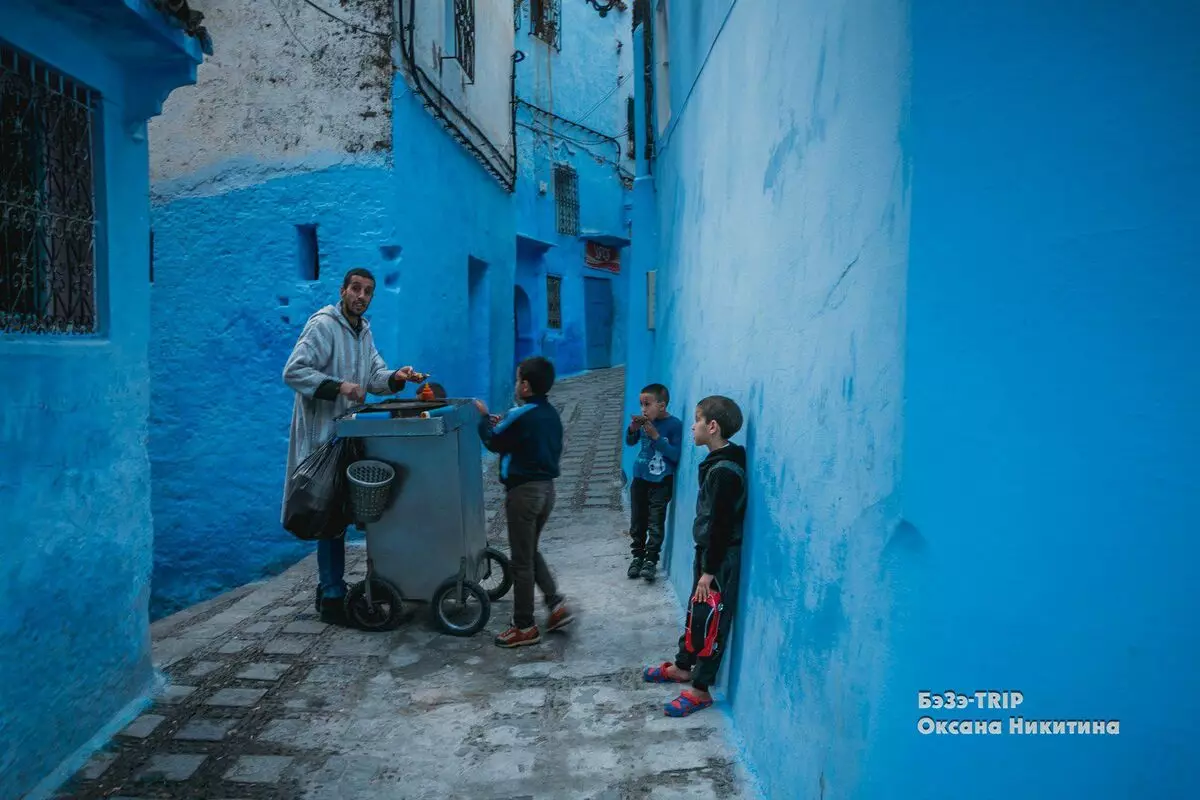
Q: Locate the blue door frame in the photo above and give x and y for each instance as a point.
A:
(522, 325)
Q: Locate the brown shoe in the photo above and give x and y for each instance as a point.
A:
(518, 637)
(560, 617)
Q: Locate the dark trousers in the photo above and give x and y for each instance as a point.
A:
(704, 670)
(527, 507)
(648, 516)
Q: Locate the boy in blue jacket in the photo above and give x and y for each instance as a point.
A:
(660, 436)
(529, 440)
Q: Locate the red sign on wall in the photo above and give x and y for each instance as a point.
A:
(597, 256)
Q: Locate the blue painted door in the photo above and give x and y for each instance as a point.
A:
(598, 313)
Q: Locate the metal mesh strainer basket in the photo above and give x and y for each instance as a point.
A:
(370, 489)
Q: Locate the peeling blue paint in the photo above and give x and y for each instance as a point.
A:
(74, 477)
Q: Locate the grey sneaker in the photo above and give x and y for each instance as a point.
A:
(649, 571)
(635, 568)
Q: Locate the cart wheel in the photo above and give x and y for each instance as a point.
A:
(465, 618)
(383, 614)
(498, 580)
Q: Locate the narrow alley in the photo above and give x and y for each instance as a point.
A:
(930, 266)
(266, 702)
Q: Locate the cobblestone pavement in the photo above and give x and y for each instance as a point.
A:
(264, 701)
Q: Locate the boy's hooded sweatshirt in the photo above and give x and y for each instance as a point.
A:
(720, 504)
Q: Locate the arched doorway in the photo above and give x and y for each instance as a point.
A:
(522, 325)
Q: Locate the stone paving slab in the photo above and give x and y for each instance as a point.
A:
(266, 702)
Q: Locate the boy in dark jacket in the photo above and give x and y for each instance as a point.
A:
(660, 436)
(720, 511)
(529, 440)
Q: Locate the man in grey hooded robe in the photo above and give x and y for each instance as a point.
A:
(332, 368)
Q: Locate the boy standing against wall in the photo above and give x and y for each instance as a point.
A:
(661, 437)
(529, 440)
(720, 511)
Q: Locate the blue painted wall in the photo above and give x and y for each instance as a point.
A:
(580, 84)
(643, 259)
(230, 300)
(972, 443)
(75, 478)
(782, 226)
(1051, 390)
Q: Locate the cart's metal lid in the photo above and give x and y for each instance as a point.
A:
(397, 417)
(401, 407)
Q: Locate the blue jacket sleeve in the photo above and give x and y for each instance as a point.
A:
(501, 439)
(670, 441)
(632, 436)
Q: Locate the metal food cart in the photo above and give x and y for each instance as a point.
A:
(417, 493)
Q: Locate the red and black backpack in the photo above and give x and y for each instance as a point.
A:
(702, 621)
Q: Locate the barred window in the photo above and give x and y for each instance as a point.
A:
(566, 199)
(47, 200)
(554, 302)
(464, 36)
(545, 21)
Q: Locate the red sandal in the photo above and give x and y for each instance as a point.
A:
(659, 674)
(686, 703)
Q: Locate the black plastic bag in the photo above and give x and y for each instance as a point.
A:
(318, 501)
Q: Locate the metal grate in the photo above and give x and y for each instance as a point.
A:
(554, 302)
(545, 21)
(566, 199)
(464, 35)
(47, 200)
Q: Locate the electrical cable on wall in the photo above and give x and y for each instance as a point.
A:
(622, 173)
(625, 175)
(590, 111)
(333, 16)
(289, 27)
(477, 142)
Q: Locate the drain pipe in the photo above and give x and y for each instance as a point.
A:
(517, 58)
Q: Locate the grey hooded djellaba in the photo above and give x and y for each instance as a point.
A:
(328, 350)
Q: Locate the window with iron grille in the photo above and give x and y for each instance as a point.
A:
(47, 200)
(464, 35)
(545, 21)
(566, 199)
(554, 302)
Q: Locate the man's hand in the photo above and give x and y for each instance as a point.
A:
(407, 374)
(352, 391)
(703, 588)
(636, 421)
(649, 428)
